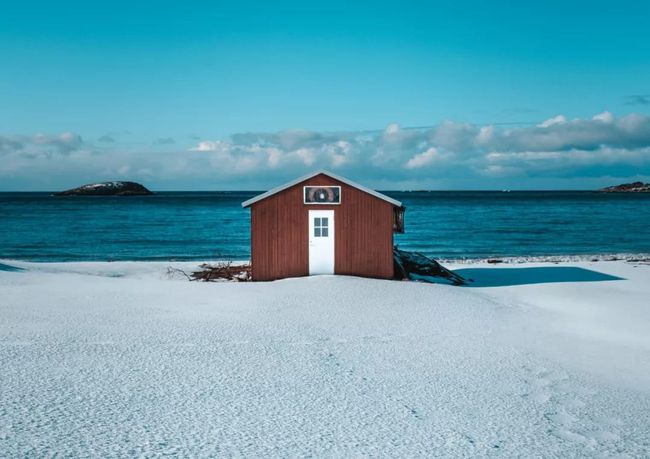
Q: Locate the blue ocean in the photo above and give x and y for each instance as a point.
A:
(212, 225)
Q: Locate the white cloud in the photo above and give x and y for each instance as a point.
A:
(605, 117)
(275, 156)
(422, 159)
(447, 144)
(604, 145)
(485, 135)
(559, 119)
(307, 156)
(391, 129)
(209, 145)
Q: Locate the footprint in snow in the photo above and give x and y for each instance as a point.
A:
(413, 412)
(563, 403)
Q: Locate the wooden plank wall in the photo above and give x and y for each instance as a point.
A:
(363, 233)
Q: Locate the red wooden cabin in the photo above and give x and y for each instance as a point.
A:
(323, 224)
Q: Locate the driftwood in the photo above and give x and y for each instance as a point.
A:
(220, 271)
(415, 266)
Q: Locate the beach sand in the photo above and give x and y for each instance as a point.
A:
(119, 359)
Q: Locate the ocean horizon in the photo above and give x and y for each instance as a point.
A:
(209, 225)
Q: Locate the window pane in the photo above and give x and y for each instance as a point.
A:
(317, 221)
(317, 232)
(324, 221)
(324, 232)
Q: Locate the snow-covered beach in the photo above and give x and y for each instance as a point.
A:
(119, 359)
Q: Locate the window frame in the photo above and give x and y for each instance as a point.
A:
(320, 226)
(304, 195)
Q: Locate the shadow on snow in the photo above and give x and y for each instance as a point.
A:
(503, 277)
(9, 268)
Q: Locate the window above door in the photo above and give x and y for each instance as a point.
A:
(325, 194)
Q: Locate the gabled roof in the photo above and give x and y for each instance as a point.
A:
(276, 190)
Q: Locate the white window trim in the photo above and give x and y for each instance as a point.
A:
(304, 196)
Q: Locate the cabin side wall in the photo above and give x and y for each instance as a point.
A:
(363, 233)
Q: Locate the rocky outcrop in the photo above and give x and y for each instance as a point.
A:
(107, 189)
(418, 267)
(635, 187)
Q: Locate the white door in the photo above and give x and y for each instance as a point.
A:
(321, 242)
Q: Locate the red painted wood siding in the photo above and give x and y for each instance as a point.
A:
(363, 226)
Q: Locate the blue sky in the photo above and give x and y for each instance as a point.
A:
(209, 95)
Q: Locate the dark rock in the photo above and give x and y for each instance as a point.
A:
(419, 267)
(634, 187)
(494, 261)
(107, 189)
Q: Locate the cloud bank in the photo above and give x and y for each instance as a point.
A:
(557, 147)
(449, 154)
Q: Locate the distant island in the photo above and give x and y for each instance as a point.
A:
(107, 189)
(635, 187)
